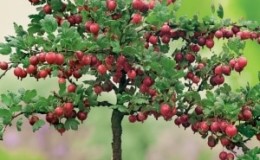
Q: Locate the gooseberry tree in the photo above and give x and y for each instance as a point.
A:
(144, 55)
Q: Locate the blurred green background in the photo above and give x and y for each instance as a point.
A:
(152, 140)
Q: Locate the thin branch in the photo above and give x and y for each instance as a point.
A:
(3, 74)
(104, 104)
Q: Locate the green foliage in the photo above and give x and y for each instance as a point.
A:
(251, 155)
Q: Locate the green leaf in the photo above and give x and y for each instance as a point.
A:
(140, 100)
(236, 45)
(29, 95)
(56, 5)
(122, 109)
(210, 96)
(62, 87)
(116, 46)
(220, 11)
(252, 154)
(79, 2)
(123, 98)
(160, 14)
(5, 113)
(246, 130)
(38, 125)
(71, 124)
(254, 92)
(19, 124)
(5, 49)
(19, 30)
(49, 24)
(7, 100)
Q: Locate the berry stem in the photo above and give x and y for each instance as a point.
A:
(116, 120)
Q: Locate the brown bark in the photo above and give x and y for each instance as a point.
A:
(116, 120)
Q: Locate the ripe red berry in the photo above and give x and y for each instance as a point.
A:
(59, 59)
(41, 57)
(226, 70)
(247, 114)
(102, 69)
(242, 62)
(94, 28)
(71, 20)
(59, 111)
(3, 65)
(166, 39)
(98, 89)
(132, 118)
(165, 29)
(111, 5)
(148, 81)
(51, 118)
(72, 114)
(232, 63)
(31, 69)
(77, 18)
(61, 80)
(258, 136)
(219, 79)
(43, 73)
(86, 60)
(137, 4)
(190, 75)
(50, 57)
(201, 41)
(87, 25)
(209, 43)
(231, 130)
(190, 57)
(235, 29)
(33, 60)
(195, 79)
(218, 70)
(71, 88)
(141, 116)
(218, 34)
(223, 125)
(60, 128)
(131, 74)
(33, 120)
(238, 68)
(136, 18)
(68, 107)
(18, 71)
(79, 55)
(204, 127)
(47, 9)
(82, 115)
(230, 156)
(214, 127)
(223, 155)
(165, 110)
(212, 141)
(199, 110)
(225, 141)
(153, 39)
(178, 57)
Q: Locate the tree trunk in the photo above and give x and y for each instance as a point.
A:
(116, 120)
